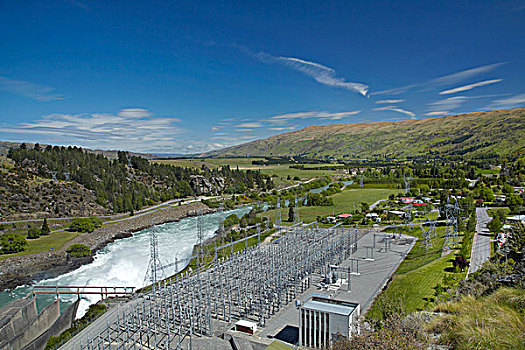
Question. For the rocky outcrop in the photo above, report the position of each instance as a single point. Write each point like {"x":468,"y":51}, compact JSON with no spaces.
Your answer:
{"x":202,"y":185}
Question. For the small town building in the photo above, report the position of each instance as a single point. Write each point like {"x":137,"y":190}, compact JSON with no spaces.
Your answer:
{"x":322,"y":320}
{"x":407,"y":200}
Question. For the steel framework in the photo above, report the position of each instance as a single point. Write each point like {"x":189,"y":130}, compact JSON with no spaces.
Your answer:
{"x":253,"y":284}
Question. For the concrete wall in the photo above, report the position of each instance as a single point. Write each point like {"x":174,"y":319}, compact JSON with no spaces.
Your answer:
{"x":62,"y":324}
{"x":15,"y":318}
{"x":34,"y":326}
{"x":45,"y":319}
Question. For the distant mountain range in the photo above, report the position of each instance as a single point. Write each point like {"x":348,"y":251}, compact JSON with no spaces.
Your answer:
{"x":471,"y":135}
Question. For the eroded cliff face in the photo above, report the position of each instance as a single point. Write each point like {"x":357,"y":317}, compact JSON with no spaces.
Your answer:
{"x":202,"y":185}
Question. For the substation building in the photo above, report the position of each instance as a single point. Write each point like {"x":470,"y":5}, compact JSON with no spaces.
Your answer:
{"x":322,"y":320}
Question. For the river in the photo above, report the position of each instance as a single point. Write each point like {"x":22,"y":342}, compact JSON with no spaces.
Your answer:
{"x":125,"y":261}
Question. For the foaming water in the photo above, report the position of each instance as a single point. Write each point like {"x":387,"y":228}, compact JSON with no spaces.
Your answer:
{"x":125,"y":261}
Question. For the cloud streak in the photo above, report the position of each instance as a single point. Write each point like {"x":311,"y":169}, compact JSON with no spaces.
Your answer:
{"x":132,"y":129}
{"x":320,"y":73}
{"x":396,"y":109}
{"x":509,"y":102}
{"x":470,"y":86}
{"x":30,"y":90}
{"x":249,"y":125}
{"x":449,"y":79}
{"x":465,"y":74}
{"x":389,"y":101}
{"x":283,"y":118}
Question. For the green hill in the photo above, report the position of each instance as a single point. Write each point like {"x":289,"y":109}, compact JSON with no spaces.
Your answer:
{"x":471,"y":135}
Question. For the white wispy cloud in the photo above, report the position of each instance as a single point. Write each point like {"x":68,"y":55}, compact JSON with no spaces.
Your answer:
{"x":389,"y":101}
{"x":235,"y":138}
{"x":396,"y":109}
{"x":470,"y":86}
{"x":320,"y":73}
{"x":282,"y":118}
{"x":465,"y":74}
{"x":249,"y":125}
{"x":509,"y":102}
{"x":244,"y":130}
{"x":447,"y":104}
{"x":437,"y":113}
{"x":217,"y":127}
{"x":283,"y":128}
{"x":132,"y":129}
{"x":395,"y":91}
{"x":448,"y":79}
{"x":30,"y":90}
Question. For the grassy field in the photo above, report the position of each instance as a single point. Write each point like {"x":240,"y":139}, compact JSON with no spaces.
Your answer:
{"x":345,"y":201}
{"x":210,"y":162}
{"x":416,"y":277}
{"x":282,"y":171}
{"x":45,"y":243}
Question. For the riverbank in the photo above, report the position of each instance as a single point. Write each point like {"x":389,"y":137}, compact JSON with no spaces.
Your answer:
{"x":20,"y":270}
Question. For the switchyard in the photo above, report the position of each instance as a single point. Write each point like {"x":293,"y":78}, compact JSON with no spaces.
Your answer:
{"x":258,"y":285}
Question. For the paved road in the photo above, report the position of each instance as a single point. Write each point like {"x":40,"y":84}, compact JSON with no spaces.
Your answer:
{"x":377,"y":202}
{"x":481,"y":244}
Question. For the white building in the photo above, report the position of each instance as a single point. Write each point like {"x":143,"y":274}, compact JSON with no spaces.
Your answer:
{"x":321,"y":320}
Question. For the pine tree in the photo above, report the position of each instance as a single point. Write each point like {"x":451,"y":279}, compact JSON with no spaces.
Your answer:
{"x":44,"y":230}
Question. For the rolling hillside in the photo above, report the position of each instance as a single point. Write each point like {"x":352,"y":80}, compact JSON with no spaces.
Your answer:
{"x":471,"y":135}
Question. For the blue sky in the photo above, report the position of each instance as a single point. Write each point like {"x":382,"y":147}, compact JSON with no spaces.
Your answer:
{"x":191,"y":76}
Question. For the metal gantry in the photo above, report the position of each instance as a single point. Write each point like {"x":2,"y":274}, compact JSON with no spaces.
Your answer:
{"x":278,"y":219}
{"x":408,"y":216}
{"x":253,"y":284}
{"x":296,"y":211}
{"x":452,"y":212}
{"x":428,"y":230}
{"x":155,"y":270}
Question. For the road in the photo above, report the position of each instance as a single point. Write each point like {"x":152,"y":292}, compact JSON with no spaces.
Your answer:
{"x":377,"y":202}
{"x":124,"y":216}
{"x":481,"y":244}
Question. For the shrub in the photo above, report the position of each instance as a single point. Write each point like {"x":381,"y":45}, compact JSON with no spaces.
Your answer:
{"x":315,"y":199}
{"x":12,"y":243}
{"x":231,"y":220}
{"x":78,"y":250}
{"x":33,"y":233}
{"x":85,"y":224}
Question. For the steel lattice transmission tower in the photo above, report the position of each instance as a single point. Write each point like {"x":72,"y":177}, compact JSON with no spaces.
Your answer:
{"x":407,"y":179}
{"x":221,"y":220}
{"x":408,"y":216}
{"x":278,"y":219}
{"x":296,"y":211}
{"x":361,"y":178}
{"x":452,"y":212}
{"x":428,"y":232}
{"x":155,"y":271}
{"x":200,"y":237}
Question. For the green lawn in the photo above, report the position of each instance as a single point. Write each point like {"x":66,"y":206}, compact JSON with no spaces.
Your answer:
{"x":45,"y":243}
{"x":418,"y":274}
{"x":345,"y":201}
